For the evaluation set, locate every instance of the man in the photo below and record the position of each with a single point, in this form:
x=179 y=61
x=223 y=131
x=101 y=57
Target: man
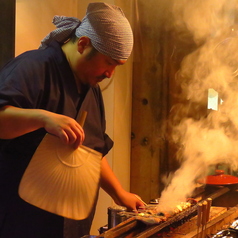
x=42 y=91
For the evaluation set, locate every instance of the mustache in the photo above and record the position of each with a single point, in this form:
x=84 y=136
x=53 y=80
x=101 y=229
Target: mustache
x=102 y=77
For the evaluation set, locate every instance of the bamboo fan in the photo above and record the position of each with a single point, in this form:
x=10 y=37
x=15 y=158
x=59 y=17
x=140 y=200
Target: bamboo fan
x=62 y=180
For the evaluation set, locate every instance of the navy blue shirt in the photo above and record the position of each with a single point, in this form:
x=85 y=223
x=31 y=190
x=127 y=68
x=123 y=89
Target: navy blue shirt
x=41 y=79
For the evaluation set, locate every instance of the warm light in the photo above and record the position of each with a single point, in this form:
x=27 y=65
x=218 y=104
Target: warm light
x=212 y=99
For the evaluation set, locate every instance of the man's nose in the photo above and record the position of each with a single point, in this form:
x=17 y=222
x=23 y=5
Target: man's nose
x=109 y=73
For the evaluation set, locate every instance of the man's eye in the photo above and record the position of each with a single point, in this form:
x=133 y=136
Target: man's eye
x=109 y=63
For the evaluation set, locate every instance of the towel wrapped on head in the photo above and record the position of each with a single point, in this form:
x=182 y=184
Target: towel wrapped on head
x=106 y=26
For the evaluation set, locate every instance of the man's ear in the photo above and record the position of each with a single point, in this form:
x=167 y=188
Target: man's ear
x=83 y=43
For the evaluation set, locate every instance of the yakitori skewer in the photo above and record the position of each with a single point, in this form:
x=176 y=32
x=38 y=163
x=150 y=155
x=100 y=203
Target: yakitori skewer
x=199 y=218
x=204 y=217
x=209 y=203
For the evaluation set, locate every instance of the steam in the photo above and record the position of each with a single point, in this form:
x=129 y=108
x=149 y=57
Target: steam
x=210 y=138
x=204 y=19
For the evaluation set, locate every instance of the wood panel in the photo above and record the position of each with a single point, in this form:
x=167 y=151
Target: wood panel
x=158 y=53
x=149 y=102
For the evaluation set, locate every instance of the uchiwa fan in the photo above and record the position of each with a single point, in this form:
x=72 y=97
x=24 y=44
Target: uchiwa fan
x=61 y=179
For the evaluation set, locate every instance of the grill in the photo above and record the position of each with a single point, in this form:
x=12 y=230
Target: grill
x=183 y=224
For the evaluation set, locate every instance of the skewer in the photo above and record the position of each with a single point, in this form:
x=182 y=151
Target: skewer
x=209 y=203
x=204 y=217
x=141 y=200
x=129 y=213
x=199 y=217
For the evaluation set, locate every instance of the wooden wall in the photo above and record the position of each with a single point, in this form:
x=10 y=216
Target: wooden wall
x=158 y=53
x=149 y=103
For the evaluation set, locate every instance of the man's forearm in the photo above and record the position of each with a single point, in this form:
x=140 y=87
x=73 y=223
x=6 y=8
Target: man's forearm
x=15 y=121
x=112 y=186
x=109 y=182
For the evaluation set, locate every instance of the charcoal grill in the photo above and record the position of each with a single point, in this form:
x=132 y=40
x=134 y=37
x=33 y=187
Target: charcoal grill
x=172 y=226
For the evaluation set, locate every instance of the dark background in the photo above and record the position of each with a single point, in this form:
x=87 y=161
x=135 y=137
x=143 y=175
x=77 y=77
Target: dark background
x=7 y=30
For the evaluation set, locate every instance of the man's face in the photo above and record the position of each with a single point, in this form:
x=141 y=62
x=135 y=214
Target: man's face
x=92 y=67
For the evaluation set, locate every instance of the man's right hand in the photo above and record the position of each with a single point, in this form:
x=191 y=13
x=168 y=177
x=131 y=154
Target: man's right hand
x=15 y=122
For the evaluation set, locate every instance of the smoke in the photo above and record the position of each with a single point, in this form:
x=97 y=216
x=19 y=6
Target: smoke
x=204 y=19
x=211 y=138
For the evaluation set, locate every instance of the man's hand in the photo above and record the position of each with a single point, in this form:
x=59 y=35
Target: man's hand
x=15 y=122
x=66 y=128
x=112 y=186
